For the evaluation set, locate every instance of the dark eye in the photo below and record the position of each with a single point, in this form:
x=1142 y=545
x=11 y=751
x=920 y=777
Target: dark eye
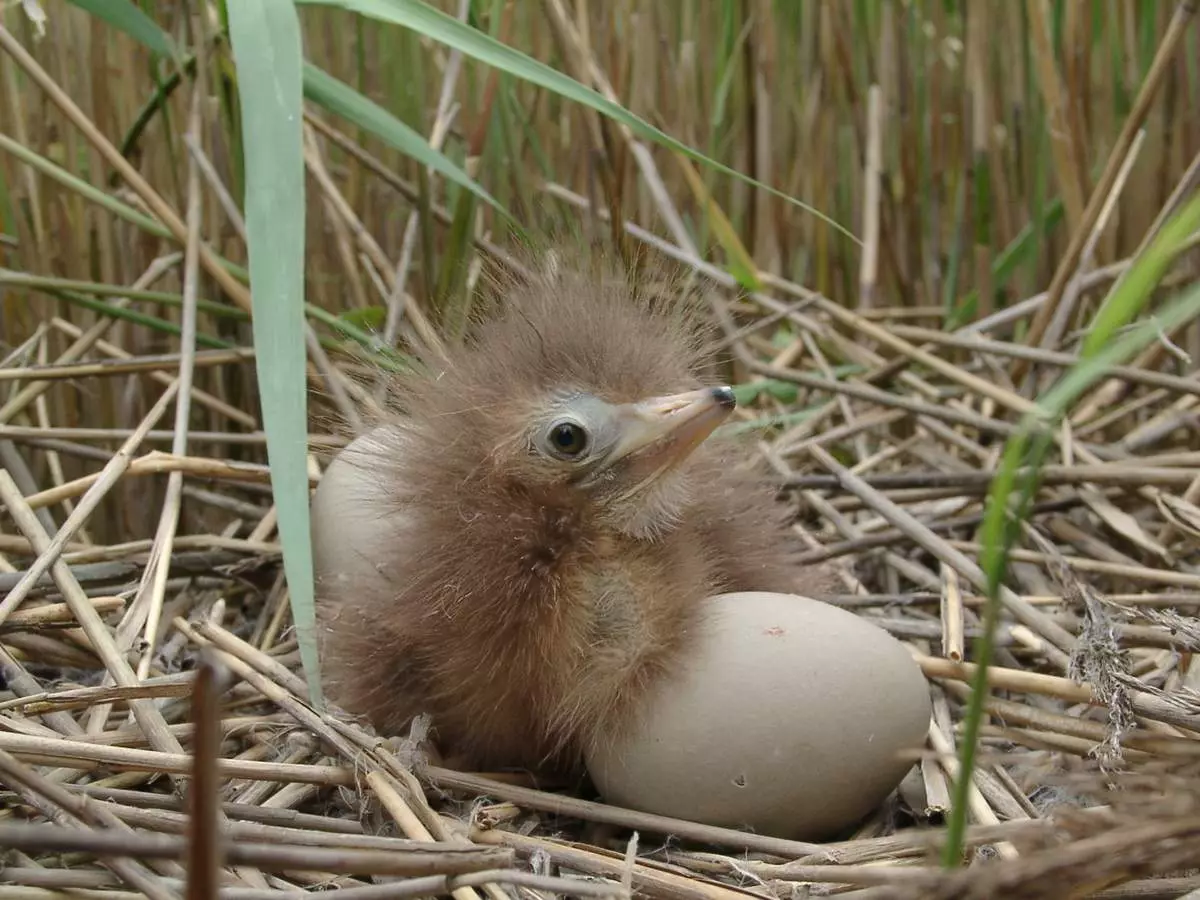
x=568 y=439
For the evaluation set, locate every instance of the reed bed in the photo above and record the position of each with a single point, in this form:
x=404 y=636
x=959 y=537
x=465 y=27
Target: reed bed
x=1002 y=170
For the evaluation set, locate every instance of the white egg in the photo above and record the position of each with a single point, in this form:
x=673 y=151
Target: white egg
x=792 y=718
x=356 y=519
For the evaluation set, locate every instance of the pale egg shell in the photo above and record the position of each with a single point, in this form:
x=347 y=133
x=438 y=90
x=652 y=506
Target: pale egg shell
x=791 y=717
x=356 y=520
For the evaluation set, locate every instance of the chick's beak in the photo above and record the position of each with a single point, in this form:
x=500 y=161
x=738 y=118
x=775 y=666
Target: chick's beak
x=659 y=433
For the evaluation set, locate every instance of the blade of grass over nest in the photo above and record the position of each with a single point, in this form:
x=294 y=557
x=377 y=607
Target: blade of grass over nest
x=72 y=182
x=341 y=99
x=436 y=25
x=102 y=199
x=266 y=46
x=1125 y=300
x=125 y=16
x=741 y=265
x=955 y=252
x=1017 y=480
x=129 y=315
x=167 y=298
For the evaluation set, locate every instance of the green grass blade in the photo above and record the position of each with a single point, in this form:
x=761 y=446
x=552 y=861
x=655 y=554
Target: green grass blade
x=338 y=97
x=436 y=25
x=1130 y=293
x=954 y=262
x=155 y=105
x=124 y=16
x=47 y=283
x=138 y=318
x=265 y=35
x=1012 y=493
x=100 y=198
x=78 y=185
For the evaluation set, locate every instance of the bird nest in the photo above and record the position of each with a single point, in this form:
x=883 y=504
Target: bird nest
x=198 y=762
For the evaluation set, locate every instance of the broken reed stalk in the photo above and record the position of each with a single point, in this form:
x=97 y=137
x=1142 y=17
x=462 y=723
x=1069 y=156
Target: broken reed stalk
x=205 y=835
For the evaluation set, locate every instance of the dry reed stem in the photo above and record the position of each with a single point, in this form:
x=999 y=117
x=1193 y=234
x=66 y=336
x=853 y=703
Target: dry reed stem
x=412 y=860
x=146 y=609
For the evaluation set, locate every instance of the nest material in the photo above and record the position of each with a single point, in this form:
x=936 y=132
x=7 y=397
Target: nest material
x=127 y=756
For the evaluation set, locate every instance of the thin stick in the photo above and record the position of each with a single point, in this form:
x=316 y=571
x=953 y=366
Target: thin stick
x=430 y=859
x=76 y=752
x=147 y=604
x=952 y=615
x=868 y=273
x=205 y=833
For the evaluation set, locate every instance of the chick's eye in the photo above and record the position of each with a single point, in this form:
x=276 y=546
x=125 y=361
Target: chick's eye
x=568 y=439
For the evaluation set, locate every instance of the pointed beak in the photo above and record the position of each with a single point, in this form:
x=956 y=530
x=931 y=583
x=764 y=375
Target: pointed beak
x=659 y=433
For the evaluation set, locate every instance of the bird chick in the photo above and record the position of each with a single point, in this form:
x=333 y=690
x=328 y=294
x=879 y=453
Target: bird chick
x=522 y=551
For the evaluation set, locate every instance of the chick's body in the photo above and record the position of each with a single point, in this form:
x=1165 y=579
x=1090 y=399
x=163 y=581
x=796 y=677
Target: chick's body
x=525 y=596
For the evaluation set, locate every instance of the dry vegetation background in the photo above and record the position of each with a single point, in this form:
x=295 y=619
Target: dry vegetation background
x=999 y=165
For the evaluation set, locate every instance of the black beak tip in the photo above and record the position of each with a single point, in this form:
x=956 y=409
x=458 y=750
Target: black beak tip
x=725 y=397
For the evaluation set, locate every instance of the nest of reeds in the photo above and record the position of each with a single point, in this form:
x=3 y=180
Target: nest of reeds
x=197 y=759
x=156 y=732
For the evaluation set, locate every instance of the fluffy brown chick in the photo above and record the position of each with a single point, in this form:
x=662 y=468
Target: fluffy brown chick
x=522 y=552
